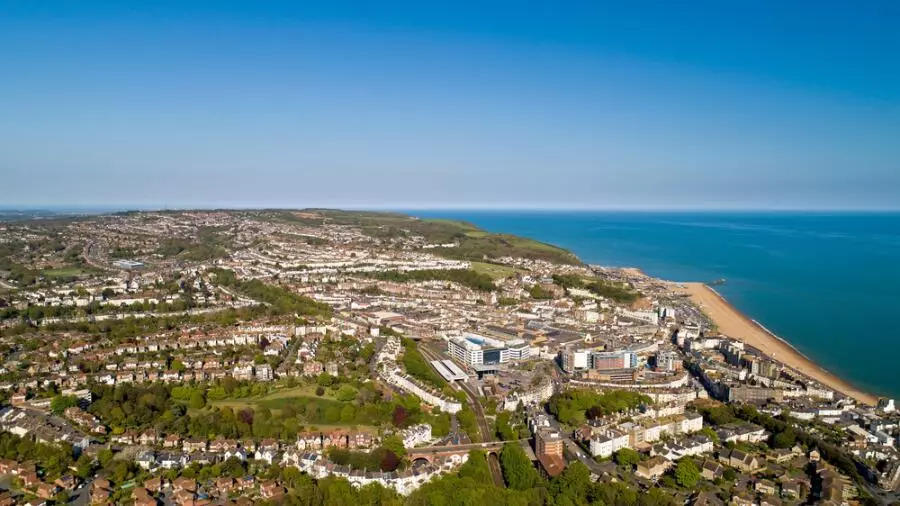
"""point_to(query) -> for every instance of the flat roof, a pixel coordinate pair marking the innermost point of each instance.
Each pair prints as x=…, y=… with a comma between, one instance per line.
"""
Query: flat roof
x=448, y=374
x=453, y=367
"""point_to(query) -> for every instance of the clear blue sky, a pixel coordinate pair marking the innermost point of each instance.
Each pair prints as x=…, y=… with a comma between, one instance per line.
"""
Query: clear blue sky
x=762, y=104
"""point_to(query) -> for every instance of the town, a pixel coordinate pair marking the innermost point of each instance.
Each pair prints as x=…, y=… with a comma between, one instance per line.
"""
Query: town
x=332, y=357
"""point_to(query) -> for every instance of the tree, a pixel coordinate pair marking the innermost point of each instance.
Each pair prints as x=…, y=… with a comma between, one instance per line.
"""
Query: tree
x=518, y=472
x=626, y=457
x=572, y=485
x=60, y=403
x=198, y=400
x=686, y=473
x=476, y=468
x=346, y=394
x=400, y=417
x=84, y=466
x=784, y=439
x=711, y=434
x=502, y=427
x=104, y=457
x=394, y=444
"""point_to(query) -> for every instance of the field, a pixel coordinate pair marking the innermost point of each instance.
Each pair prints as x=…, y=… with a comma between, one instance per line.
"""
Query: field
x=495, y=271
x=277, y=397
x=64, y=272
x=305, y=402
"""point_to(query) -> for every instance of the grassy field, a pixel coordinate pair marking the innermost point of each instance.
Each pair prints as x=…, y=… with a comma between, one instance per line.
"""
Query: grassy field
x=63, y=272
x=297, y=397
x=278, y=396
x=495, y=271
x=463, y=226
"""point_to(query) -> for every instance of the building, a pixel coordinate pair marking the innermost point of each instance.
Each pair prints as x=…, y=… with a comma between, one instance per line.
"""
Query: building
x=128, y=264
x=668, y=361
x=548, y=442
x=613, y=360
x=475, y=349
x=653, y=468
x=608, y=443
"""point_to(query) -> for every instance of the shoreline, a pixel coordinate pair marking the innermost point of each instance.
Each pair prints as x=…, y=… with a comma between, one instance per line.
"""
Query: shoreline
x=735, y=324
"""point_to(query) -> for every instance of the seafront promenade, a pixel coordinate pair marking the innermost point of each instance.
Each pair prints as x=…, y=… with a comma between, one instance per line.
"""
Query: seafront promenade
x=733, y=323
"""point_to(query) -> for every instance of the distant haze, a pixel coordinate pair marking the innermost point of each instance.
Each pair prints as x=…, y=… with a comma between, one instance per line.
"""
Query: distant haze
x=470, y=105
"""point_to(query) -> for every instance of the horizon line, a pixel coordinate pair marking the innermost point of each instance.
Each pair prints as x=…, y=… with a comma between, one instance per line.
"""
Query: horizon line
x=112, y=208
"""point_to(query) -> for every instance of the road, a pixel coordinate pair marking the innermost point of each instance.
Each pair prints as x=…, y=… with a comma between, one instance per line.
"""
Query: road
x=576, y=451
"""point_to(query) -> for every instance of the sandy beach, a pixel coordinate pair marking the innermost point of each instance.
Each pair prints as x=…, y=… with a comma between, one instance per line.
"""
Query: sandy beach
x=733, y=323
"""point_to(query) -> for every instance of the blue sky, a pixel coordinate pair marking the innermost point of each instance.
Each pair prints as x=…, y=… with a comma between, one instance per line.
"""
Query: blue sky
x=450, y=104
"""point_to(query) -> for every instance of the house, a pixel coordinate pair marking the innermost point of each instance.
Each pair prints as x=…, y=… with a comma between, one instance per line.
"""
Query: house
x=790, y=489
x=66, y=482
x=359, y=440
x=172, y=441
x=237, y=453
x=265, y=454
x=653, y=468
x=6, y=499
x=710, y=469
x=185, y=484
x=766, y=487
x=741, y=500
x=194, y=445
x=100, y=491
x=706, y=499
x=154, y=484
x=149, y=438
x=270, y=490
x=184, y=498
x=45, y=490
x=129, y=437
x=146, y=460
x=8, y=466
x=99, y=496
x=29, y=479
x=224, y=484
x=740, y=459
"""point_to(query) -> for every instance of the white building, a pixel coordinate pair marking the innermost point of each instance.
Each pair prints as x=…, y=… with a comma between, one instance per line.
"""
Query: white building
x=604, y=445
x=416, y=435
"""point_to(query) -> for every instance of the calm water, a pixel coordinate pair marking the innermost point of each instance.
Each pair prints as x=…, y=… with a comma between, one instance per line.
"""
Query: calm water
x=829, y=284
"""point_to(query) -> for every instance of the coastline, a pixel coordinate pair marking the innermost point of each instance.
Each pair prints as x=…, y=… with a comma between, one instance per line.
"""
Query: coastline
x=732, y=323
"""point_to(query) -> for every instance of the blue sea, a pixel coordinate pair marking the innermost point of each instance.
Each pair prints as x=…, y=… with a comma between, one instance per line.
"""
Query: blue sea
x=827, y=283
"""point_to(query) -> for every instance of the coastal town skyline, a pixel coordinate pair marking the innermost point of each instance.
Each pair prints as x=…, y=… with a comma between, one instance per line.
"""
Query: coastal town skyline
x=412, y=253
x=275, y=355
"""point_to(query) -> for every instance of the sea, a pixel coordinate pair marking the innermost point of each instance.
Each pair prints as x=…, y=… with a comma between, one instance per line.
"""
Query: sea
x=828, y=283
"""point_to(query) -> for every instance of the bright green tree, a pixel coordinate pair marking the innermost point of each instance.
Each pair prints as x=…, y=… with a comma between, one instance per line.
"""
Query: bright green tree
x=686, y=473
x=518, y=472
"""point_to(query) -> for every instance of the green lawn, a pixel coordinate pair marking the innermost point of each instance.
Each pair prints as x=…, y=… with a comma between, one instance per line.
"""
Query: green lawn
x=63, y=272
x=495, y=271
